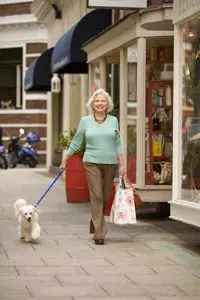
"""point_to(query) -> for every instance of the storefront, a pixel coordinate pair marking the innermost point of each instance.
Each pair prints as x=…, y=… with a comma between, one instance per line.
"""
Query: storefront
x=185, y=205
x=134, y=63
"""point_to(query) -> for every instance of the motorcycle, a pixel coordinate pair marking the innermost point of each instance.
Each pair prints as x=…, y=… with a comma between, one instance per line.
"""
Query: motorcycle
x=3, y=160
x=25, y=154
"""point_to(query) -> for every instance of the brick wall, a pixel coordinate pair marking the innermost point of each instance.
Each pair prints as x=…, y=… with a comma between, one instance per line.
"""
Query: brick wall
x=15, y=9
x=35, y=47
x=24, y=118
x=36, y=104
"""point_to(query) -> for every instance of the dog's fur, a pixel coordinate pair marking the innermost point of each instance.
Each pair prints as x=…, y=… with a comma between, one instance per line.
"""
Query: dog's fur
x=27, y=215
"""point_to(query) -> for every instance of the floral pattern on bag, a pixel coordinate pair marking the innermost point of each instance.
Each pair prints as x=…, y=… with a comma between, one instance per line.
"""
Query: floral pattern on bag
x=123, y=208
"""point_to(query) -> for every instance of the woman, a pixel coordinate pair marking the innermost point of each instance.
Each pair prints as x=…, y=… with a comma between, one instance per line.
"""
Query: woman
x=102, y=154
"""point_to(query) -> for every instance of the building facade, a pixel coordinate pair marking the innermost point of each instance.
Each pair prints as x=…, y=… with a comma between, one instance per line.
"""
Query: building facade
x=22, y=40
x=132, y=58
x=185, y=205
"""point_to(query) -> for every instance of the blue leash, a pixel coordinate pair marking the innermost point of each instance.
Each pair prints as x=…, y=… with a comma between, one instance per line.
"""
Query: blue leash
x=43, y=195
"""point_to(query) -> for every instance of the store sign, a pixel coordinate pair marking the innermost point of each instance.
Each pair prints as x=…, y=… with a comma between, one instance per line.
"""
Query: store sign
x=185, y=5
x=117, y=3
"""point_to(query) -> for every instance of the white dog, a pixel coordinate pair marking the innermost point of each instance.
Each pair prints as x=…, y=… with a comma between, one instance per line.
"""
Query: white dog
x=27, y=215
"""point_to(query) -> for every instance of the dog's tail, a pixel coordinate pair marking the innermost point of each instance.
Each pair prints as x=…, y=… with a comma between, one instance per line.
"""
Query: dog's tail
x=18, y=204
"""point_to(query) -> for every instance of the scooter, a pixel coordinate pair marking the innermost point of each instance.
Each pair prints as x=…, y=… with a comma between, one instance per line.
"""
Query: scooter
x=25, y=154
x=3, y=160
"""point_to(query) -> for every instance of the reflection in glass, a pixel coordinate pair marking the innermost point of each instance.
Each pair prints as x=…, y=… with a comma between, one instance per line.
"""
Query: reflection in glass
x=191, y=111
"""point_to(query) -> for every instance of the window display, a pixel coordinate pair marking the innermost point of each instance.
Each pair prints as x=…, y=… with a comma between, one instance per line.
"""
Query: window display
x=191, y=111
x=159, y=111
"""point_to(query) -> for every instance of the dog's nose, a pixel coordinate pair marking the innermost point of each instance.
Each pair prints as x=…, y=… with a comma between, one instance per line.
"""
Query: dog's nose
x=29, y=219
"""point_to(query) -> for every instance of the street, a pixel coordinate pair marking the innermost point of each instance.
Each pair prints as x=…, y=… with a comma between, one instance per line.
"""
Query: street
x=156, y=259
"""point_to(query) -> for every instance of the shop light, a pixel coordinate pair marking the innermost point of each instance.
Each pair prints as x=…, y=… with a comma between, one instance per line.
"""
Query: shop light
x=55, y=83
x=191, y=34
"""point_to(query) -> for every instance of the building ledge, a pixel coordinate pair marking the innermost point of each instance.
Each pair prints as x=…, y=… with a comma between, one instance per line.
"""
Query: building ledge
x=18, y=19
x=157, y=18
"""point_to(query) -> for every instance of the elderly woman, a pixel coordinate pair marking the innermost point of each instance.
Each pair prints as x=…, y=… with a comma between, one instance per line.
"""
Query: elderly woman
x=101, y=157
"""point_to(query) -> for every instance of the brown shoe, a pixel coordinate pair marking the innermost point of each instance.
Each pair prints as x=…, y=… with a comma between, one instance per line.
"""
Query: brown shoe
x=99, y=241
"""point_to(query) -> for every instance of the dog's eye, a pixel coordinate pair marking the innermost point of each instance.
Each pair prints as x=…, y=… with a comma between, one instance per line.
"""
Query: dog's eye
x=30, y=213
x=25, y=214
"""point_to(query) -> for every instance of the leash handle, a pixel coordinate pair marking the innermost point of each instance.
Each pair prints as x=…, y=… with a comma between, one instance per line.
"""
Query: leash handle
x=44, y=194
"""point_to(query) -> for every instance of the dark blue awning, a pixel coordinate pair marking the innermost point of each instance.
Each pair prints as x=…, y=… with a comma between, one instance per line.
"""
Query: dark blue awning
x=68, y=57
x=38, y=76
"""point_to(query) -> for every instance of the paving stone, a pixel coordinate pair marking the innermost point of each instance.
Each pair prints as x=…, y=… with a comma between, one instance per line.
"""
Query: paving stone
x=28, y=280
x=177, y=298
x=76, y=262
x=58, y=270
x=92, y=270
x=21, y=261
x=136, y=261
x=79, y=290
x=8, y=271
x=14, y=293
x=115, y=298
x=142, y=290
x=93, y=279
x=163, y=279
x=191, y=289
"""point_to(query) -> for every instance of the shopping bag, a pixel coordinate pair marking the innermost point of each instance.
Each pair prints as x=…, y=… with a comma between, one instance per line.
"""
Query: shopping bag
x=123, y=208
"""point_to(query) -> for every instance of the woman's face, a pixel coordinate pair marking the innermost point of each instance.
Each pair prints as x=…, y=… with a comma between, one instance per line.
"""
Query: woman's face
x=100, y=104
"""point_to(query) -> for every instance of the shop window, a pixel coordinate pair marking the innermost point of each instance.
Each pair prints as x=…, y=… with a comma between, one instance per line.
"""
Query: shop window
x=159, y=111
x=191, y=111
x=113, y=86
x=11, y=78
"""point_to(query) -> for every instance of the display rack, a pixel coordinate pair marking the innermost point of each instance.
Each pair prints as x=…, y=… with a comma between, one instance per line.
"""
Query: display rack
x=159, y=109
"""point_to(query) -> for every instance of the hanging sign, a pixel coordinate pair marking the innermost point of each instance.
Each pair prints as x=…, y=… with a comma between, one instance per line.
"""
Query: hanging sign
x=117, y=3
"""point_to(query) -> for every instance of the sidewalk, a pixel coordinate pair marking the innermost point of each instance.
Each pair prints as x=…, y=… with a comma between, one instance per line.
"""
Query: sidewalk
x=152, y=260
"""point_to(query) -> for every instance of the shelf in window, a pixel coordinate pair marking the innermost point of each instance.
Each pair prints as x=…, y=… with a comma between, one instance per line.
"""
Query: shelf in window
x=162, y=131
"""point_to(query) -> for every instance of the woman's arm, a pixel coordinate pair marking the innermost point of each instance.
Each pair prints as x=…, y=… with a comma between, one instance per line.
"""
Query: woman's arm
x=75, y=144
x=122, y=171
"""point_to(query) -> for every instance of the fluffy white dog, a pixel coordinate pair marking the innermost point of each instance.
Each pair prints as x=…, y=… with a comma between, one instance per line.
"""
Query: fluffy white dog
x=27, y=215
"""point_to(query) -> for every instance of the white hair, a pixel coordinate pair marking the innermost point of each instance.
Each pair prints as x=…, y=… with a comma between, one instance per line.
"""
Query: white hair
x=93, y=97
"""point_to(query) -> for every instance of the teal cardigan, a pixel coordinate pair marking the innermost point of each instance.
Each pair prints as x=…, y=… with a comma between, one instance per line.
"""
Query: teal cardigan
x=103, y=143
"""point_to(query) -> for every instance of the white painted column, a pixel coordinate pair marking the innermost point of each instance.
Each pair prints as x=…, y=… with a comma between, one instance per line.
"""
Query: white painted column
x=18, y=86
x=90, y=75
x=84, y=94
x=49, y=131
x=66, y=102
x=177, y=115
x=103, y=73
x=123, y=101
x=141, y=97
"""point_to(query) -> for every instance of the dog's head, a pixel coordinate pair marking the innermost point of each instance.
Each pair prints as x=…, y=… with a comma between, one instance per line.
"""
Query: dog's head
x=28, y=213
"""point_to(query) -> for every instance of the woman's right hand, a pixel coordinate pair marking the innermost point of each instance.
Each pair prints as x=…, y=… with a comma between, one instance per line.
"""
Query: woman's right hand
x=62, y=165
x=64, y=162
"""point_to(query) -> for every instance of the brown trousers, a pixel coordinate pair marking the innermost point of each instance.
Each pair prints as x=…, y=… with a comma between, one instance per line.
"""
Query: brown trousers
x=99, y=178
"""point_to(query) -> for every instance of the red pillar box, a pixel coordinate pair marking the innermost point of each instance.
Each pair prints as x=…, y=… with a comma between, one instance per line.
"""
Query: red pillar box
x=110, y=201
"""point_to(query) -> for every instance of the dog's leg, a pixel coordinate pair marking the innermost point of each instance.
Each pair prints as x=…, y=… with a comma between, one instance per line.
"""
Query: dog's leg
x=35, y=234
x=21, y=233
